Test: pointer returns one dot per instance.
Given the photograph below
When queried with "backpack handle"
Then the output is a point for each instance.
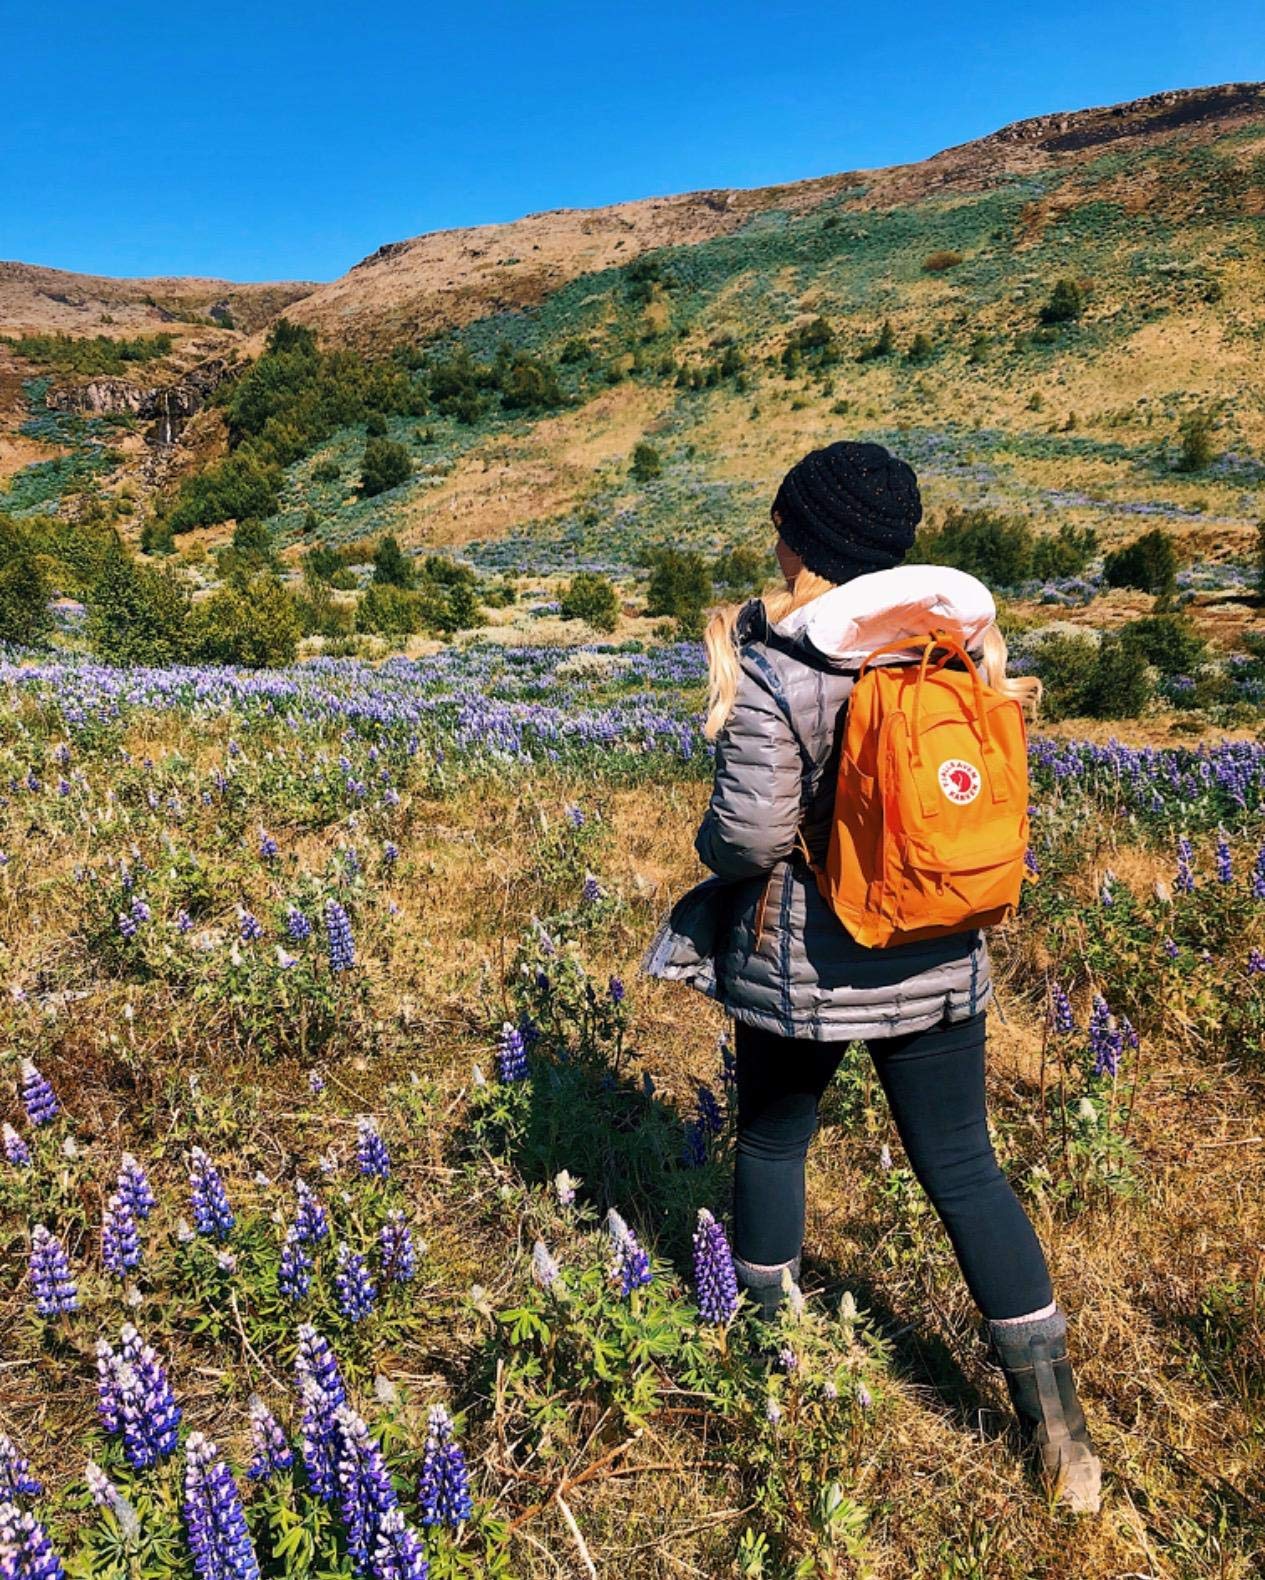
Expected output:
(954, 647)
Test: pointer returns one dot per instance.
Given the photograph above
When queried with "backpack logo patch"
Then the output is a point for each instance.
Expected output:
(959, 780)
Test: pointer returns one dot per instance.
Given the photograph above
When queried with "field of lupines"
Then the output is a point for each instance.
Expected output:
(362, 1214)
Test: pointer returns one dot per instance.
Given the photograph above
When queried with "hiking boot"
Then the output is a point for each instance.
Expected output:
(1039, 1379)
(764, 1286)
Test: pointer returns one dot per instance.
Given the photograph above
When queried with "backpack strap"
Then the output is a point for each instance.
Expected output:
(808, 766)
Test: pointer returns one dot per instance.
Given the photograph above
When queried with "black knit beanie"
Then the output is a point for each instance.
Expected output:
(848, 509)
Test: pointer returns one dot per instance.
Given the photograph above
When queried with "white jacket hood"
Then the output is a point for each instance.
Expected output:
(848, 623)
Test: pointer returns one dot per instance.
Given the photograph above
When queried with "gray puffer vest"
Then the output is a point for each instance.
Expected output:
(758, 936)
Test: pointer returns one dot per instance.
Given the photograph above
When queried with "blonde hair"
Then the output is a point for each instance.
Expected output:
(722, 652)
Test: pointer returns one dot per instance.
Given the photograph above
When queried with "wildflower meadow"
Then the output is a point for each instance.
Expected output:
(363, 1211)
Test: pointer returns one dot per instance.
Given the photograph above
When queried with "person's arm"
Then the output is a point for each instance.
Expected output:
(754, 814)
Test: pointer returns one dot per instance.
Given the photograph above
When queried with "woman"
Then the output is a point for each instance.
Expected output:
(759, 937)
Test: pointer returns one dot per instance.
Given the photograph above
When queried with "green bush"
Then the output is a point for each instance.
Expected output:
(1197, 449)
(1168, 641)
(326, 471)
(881, 347)
(941, 261)
(320, 614)
(1149, 563)
(814, 343)
(680, 585)
(137, 614)
(237, 488)
(391, 566)
(742, 570)
(389, 610)
(253, 623)
(996, 548)
(249, 552)
(593, 599)
(646, 463)
(386, 465)
(25, 618)
(1084, 678)
(449, 595)
(375, 426)
(92, 354)
(1066, 303)
(528, 384)
(920, 348)
(1064, 553)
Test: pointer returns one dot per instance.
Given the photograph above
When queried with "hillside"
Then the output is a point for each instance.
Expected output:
(729, 331)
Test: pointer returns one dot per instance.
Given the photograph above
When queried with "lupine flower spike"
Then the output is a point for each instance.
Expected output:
(372, 1157)
(215, 1521)
(365, 1493)
(399, 1554)
(294, 1275)
(714, 1277)
(105, 1495)
(135, 1400)
(511, 1054)
(545, 1271)
(52, 1286)
(25, 1550)
(212, 1215)
(342, 948)
(120, 1237)
(310, 1220)
(17, 1484)
(37, 1096)
(270, 1449)
(631, 1265)
(356, 1294)
(134, 1187)
(444, 1485)
(396, 1252)
(323, 1392)
(15, 1149)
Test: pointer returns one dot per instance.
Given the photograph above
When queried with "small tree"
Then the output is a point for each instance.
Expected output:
(646, 463)
(741, 570)
(680, 585)
(1197, 448)
(391, 566)
(389, 610)
(882, 347)
(1149, 563)
(254, 623)
(386, 465)
(920, 348)
(25, 618)
(940, 262)
(1066, 303)
(136, 613)
(593, 599)
(987, 544)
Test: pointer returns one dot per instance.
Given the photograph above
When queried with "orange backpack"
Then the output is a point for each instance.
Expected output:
(931, 812)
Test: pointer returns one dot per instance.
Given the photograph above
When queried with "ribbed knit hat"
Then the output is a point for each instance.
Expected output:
(849, 508)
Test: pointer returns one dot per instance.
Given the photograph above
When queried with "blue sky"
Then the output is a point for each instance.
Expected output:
(283, 141)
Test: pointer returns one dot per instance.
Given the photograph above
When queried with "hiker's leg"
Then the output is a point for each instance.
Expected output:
(780, 1081)
(934, 1082)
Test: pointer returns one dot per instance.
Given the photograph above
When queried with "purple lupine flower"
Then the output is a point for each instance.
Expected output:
(365, 1493)
(356, 1294)
(268, 847)
(396, 1252)
(693, 1145)
(564, 1185)
(1258, 875)
(631, 1265)
(1185, 880)
(399, 1554)
(1171, 951)
(545, 1271)
(390, 853)
(1030, 863)
(105, 1495)
(52, 1286)
(212, 1215)
(15, 1148)
(1106, 1042)
(25, 1550)
(311, 1222)
(120, 1237)
(342, 948)
(443, 1488)
(131, 920)
(715, 1281)
(575, 816)
(215, 1522)
(1225, 867)
(135, 1400)
(1062, 1020)
(315, 1082)
(592, 890)
(1256, 963)
(298, 928)
(294, 1274)
(249, 926)
(17, 1484)
(711, 1121)
(511, 1055)
(38, 1098)
(134, 1187)
(863, 1396)
(372, 1157)
(616, 989)
(184, 922)
(271, 1453)
(323, 1392)
(1107, 895)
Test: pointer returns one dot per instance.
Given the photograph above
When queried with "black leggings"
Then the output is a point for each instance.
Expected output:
(934, 1082)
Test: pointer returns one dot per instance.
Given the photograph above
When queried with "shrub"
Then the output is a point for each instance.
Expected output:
(920, 348)
(1149, 563)
(883, 346)
(391, 566)
(1065, 553)
(234, 489)
(254, 623)
(1197, 449)
(680, 585)
(448, 594)
(375, 426)
(249, 552)
(647, 463)
(1104, 680)
(1168, 641)
(137, 614)
(1066, 303)
(322, 563)
(320, 614)
(528, 384)
(157, 537)
(386, 465)
(593, 599)
(326, 471)
(25, 618)
(985, 543)
(389, 610)
(814, 343)
(741, 570)
(941, 261)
